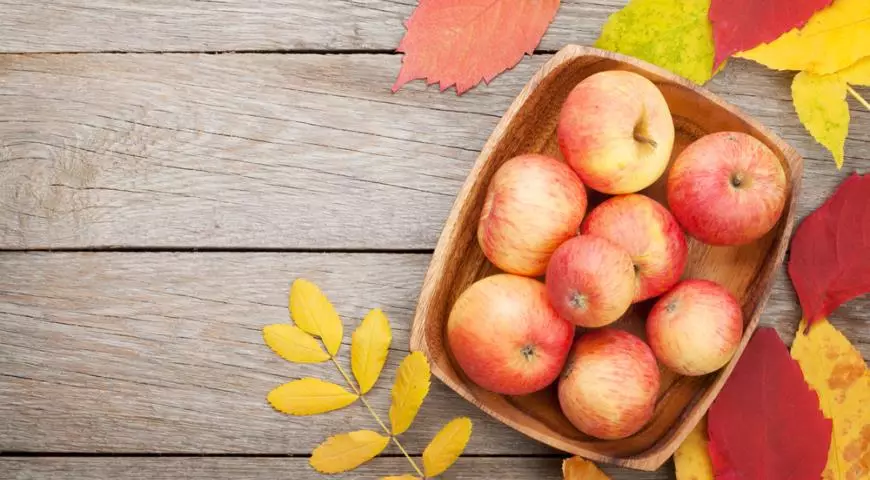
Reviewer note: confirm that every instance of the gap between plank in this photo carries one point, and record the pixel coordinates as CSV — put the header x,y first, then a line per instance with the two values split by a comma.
x,y
134,249
287,51
13,454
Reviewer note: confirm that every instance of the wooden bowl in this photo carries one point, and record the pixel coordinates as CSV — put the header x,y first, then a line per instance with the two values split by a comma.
x,y
529,126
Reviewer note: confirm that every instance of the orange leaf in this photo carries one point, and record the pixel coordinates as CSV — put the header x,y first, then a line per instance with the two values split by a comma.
x,y
576,468
461,42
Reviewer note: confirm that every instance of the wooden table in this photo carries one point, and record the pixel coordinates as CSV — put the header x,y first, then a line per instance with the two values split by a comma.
x,y
169,167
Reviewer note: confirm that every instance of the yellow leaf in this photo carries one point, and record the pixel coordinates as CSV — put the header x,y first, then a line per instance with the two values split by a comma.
x,y
291,343
369,347
858,73
401,477
577,468
673,34
313,313
692,460
837,372
820,101
446,447
347,451
309,396
411,387
832,39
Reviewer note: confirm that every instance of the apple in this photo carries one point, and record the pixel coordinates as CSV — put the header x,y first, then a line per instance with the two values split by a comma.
x,y
650,235
727,188
695,328
590,281
533,204
610,384
616,131
505,336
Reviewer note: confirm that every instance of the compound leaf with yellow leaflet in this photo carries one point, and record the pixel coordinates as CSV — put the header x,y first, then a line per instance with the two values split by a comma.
x,y
446,447
673,34
313,313
309,396
692,460
292,344
409,390
369,347
832,39
578,468
347,451
836,371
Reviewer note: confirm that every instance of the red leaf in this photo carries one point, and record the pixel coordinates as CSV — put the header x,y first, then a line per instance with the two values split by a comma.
x,y
766,423
461,42
740,25
829,262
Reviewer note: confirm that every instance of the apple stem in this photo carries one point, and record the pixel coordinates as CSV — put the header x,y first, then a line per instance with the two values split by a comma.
x,y
642,139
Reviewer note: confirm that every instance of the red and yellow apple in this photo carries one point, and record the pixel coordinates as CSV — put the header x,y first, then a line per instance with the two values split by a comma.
x,y
505,336
727,188
610,384
590,281
650,235
695,328
616,131
534,203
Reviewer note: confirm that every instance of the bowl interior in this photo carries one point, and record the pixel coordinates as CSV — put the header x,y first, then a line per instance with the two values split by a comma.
x,y
529,126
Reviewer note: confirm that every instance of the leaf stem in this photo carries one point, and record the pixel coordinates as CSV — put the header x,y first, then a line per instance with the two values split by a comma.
x,y
858,96
374,414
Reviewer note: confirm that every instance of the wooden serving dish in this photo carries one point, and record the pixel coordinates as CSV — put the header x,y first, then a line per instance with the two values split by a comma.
x,y
529,126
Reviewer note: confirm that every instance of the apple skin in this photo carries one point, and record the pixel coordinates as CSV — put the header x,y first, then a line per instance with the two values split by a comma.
x,y
616,131
727,188
610,384
590,281
650,235
505,336
695,328
534,203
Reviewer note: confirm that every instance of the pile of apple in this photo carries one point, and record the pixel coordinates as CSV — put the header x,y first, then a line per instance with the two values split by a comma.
x,y
513,334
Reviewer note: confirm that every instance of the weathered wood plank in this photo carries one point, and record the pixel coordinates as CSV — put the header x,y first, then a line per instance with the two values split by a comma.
x,y
231,25
161,352
173,468
278,151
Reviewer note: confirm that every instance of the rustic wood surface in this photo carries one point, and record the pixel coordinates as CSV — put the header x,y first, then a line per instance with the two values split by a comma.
x,y
289,157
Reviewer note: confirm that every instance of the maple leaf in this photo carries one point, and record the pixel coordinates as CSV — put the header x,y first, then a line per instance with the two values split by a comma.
x,y
673,34
833,39
461,42
820,101
829,263
766,423
740,25
837,372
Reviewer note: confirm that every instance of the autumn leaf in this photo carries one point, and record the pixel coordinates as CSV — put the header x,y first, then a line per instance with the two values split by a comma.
x,y
833,39
347,451
673,34
837,372
409,390
313,313
577,468
401,477
828,262
740,25
766,423
461,42
369,347
692,460
446,447
309,396
292,344
820,101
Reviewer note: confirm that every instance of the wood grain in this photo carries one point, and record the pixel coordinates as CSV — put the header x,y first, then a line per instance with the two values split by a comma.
x,y
161,352
232,25
481,468
276,151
